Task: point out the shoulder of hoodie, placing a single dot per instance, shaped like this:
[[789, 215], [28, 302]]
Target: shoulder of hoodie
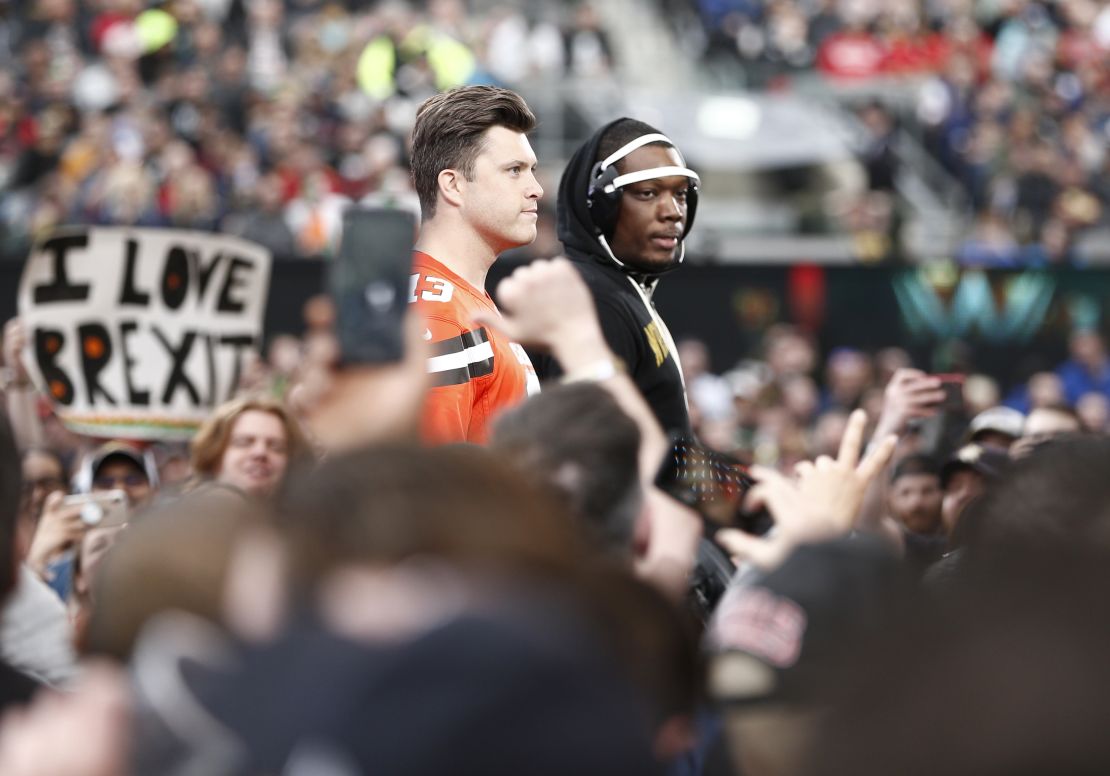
[[603, 280], [614, 297]]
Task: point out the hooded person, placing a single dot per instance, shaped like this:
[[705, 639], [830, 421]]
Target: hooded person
[[625, 205]]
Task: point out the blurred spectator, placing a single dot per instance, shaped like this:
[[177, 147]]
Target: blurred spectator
[[589, 53], [964, 478], [981, 392], [915, 495], [847, 376], [1088, 368], [998, 426], [44, 473], [1044, 423], [1093, 410], [1011, 99], [263, 221], [711, 394], [191, 115]]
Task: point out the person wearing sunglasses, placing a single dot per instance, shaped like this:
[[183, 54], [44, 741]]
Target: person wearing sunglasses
[[120, 466], [115, 465]]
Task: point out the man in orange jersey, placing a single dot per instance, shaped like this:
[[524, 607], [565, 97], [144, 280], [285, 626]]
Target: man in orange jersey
[[474, 172]]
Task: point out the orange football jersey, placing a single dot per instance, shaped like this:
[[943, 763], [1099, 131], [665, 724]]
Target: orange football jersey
[[475, 371]]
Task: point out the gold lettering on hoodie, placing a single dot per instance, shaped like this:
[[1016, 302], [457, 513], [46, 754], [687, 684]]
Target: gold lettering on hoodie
[[657, 343]]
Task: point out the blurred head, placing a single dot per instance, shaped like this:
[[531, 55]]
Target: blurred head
[[1016, 655], [965, 477], [1057, 496], [890, 360], [694, 356], [576, 438], [800, 397], [1093, 410], [828, 432], [848, 373], [248, 443], [915, 494], [459, 505], [1043, 424], [1087, 348], [781, 642], [980, 393], [121, 466], [996, 426], [788, 351], [43, 473], [470, 153], [177, 558], [1046, 390]]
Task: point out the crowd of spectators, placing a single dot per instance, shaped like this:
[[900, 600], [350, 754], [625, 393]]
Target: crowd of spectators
[[259, 118], [306, 588], [1012, 98], [783, 404]]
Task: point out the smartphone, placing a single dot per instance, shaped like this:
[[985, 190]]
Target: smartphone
[[953, 386], [940, 435], [102, 509], [368, 280], [713, 484]]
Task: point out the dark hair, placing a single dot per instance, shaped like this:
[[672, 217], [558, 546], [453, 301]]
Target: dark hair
[[915, 463], [653, 642], [622, 132], [386, 504], [176, 558], [449, 134], [1057, 495], [11, 488], [1006, 675], [577, 438]]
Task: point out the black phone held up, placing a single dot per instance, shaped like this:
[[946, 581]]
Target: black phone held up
[[369, 283]]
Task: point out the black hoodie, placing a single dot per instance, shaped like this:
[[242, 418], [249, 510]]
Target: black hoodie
[[633, 329]]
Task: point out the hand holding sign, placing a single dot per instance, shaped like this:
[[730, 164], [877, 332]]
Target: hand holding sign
[[15, 342]]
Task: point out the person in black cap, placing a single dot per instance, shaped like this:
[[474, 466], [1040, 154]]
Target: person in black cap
[[626, 203], [964, 478]]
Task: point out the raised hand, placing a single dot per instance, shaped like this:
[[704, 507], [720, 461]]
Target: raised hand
[[821, 503], [59, 528], [547, 304], [911, 394]]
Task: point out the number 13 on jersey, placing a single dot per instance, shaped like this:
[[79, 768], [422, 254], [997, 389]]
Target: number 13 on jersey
[[430, 289]]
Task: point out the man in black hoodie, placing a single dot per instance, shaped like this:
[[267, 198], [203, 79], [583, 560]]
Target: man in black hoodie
[[626, 203]]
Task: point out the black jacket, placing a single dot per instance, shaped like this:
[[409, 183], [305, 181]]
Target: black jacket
[[623, 303]]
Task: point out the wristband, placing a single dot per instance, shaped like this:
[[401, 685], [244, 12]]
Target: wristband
[[596, 372]]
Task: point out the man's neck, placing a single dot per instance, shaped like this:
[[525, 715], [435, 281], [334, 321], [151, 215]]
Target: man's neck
[[460, 250]]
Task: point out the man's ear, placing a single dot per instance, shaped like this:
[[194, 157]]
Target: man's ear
[[452, 185]]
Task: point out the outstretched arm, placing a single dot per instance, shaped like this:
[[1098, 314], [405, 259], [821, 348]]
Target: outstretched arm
[[547, 304]]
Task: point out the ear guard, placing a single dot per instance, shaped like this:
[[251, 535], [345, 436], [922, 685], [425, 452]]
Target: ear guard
[[603, 197]]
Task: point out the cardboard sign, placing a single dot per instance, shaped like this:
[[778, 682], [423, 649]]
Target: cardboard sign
[[139, 333]]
